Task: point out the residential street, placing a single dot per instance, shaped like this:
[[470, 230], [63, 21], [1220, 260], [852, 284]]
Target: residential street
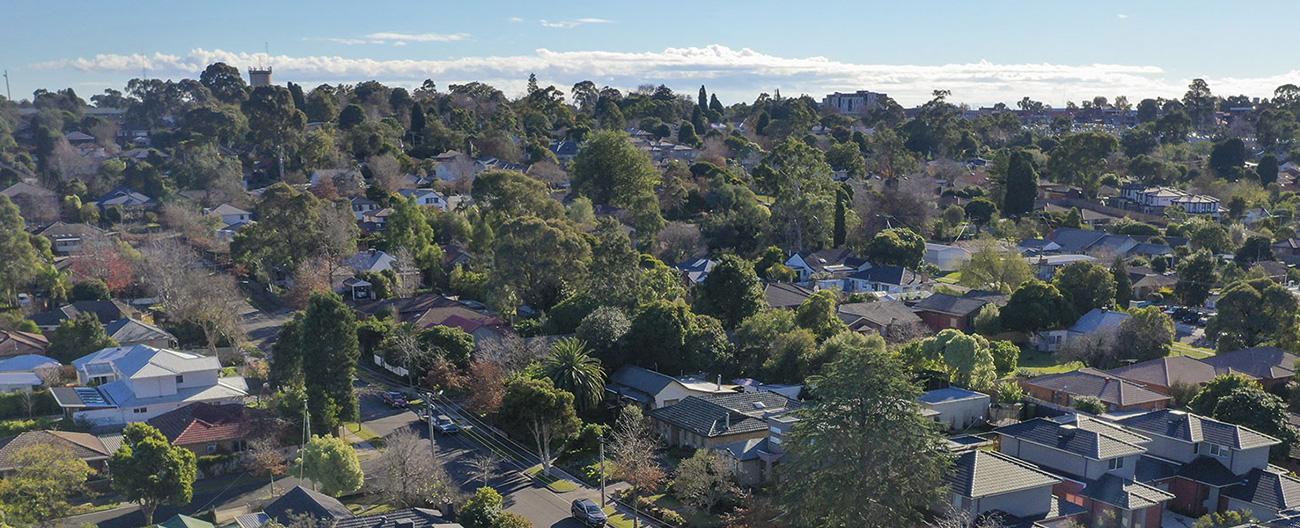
[[542, 506]]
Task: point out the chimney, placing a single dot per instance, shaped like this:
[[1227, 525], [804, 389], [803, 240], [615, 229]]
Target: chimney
[[728, 421], [719, 382]]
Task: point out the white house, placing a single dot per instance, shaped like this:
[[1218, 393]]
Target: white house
[[23, 372], [956, 408], [1096, 324], [945, 257], [132, 384], [426, 198], [229, 214], [654, 390]]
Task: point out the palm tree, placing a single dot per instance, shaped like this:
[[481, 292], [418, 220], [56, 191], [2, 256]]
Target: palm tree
[[571, 368]]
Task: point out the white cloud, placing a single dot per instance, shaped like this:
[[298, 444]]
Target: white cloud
[[515, 20], [570, 24], [1121, 16], [396, 39], [735, 73]]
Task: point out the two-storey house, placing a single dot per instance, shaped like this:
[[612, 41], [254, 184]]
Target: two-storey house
[[132, 384], [1097, 462]]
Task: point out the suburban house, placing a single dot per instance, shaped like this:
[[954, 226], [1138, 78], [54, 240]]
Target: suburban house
[[695, 271], [426, 198], [713, 421], [892, 320], [86, 447], [941, 311], [126, 198], [37, 204], [361, 206], [229, 214], [565, 151], [453, 166], [753, 460], [1162, 374], [1097, 324], [300, 506], [207, 429], [1045, 266], [184, 521], [1211, 466], [1096, 462], [1117, 393], [653, 390], [989, 484], [26, 372], [105, 311], [1154, 200], [955, 408], [825, 264], [132, 384], [128, 331], [18, 343], [893, 281], [1287, 251], [945, 257], [1146, 281], [785, 295], [66, 239], [1272, 366]]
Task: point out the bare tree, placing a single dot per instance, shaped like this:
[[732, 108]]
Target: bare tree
[[408, 276], [338, 236], [956, 518], [190, 292], [265, 458], [483, 467], [632, 449], [407, 474], [385, 172], [679, 241], [512, 352]]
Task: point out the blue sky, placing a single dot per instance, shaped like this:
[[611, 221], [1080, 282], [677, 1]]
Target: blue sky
[[984, 51]]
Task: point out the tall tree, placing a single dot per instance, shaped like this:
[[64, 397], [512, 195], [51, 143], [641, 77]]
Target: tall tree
[[328, 336], [1123, 284], [819, 314], [1086, 285], [633, 444], [866, 438], [148, 470], [610, 170], [803, 213], [1021, 185], [899, 246], [538, 259], [995, 267], [19, 260], [1196, 277], [536, 409], [572, 369], [1034, 306], [731, 292], [77, 337], [225, 82]]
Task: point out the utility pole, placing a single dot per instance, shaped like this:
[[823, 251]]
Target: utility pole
[[8, 94], [306, 432], [602, 471]]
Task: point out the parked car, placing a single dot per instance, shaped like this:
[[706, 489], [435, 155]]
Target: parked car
[[443, 425], [395, 399], [588, 513]]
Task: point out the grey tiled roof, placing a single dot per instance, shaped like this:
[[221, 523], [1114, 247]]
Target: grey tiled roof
[[879, 313], [302, 501], [407, 518], [1192, 428], [722, 415], [1260, 362], [1209, 471], [1270, 488], [1166, 371], [950, 304], [1125, 494], [984, 473], [785, 295], [1090, 444], [1091, 382]]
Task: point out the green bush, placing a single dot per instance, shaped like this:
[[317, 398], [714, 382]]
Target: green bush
[[591, 472], [15, 427], [671, 517], [14, 405]]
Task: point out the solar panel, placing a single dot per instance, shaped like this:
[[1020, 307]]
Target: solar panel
[[91, 397]]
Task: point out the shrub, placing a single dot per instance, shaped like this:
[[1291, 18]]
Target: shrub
[[671, 517], [15, 427], [1089, 404]]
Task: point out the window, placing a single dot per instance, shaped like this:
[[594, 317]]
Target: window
[[1214, 450], [1115, 463], [140, 410], [212, 448], [180, 380]]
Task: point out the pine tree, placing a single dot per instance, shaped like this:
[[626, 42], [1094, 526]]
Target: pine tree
[[329, 364], [1123, 285], [417, 119], [704, 98], [841, 231], [715, 105], [1021, 185]]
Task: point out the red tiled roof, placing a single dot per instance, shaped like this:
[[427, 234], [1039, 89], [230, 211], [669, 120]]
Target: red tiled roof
[[203, 423]]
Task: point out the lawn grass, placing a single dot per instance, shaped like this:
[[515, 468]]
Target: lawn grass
[[617, 520], [364, 433], [1184, 349], [556, 484], [1034, 363], [951, 278], [692, 516]]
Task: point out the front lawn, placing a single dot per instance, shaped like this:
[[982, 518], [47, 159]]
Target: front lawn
[[1183, 349], [1035, 363], [556, 484]]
